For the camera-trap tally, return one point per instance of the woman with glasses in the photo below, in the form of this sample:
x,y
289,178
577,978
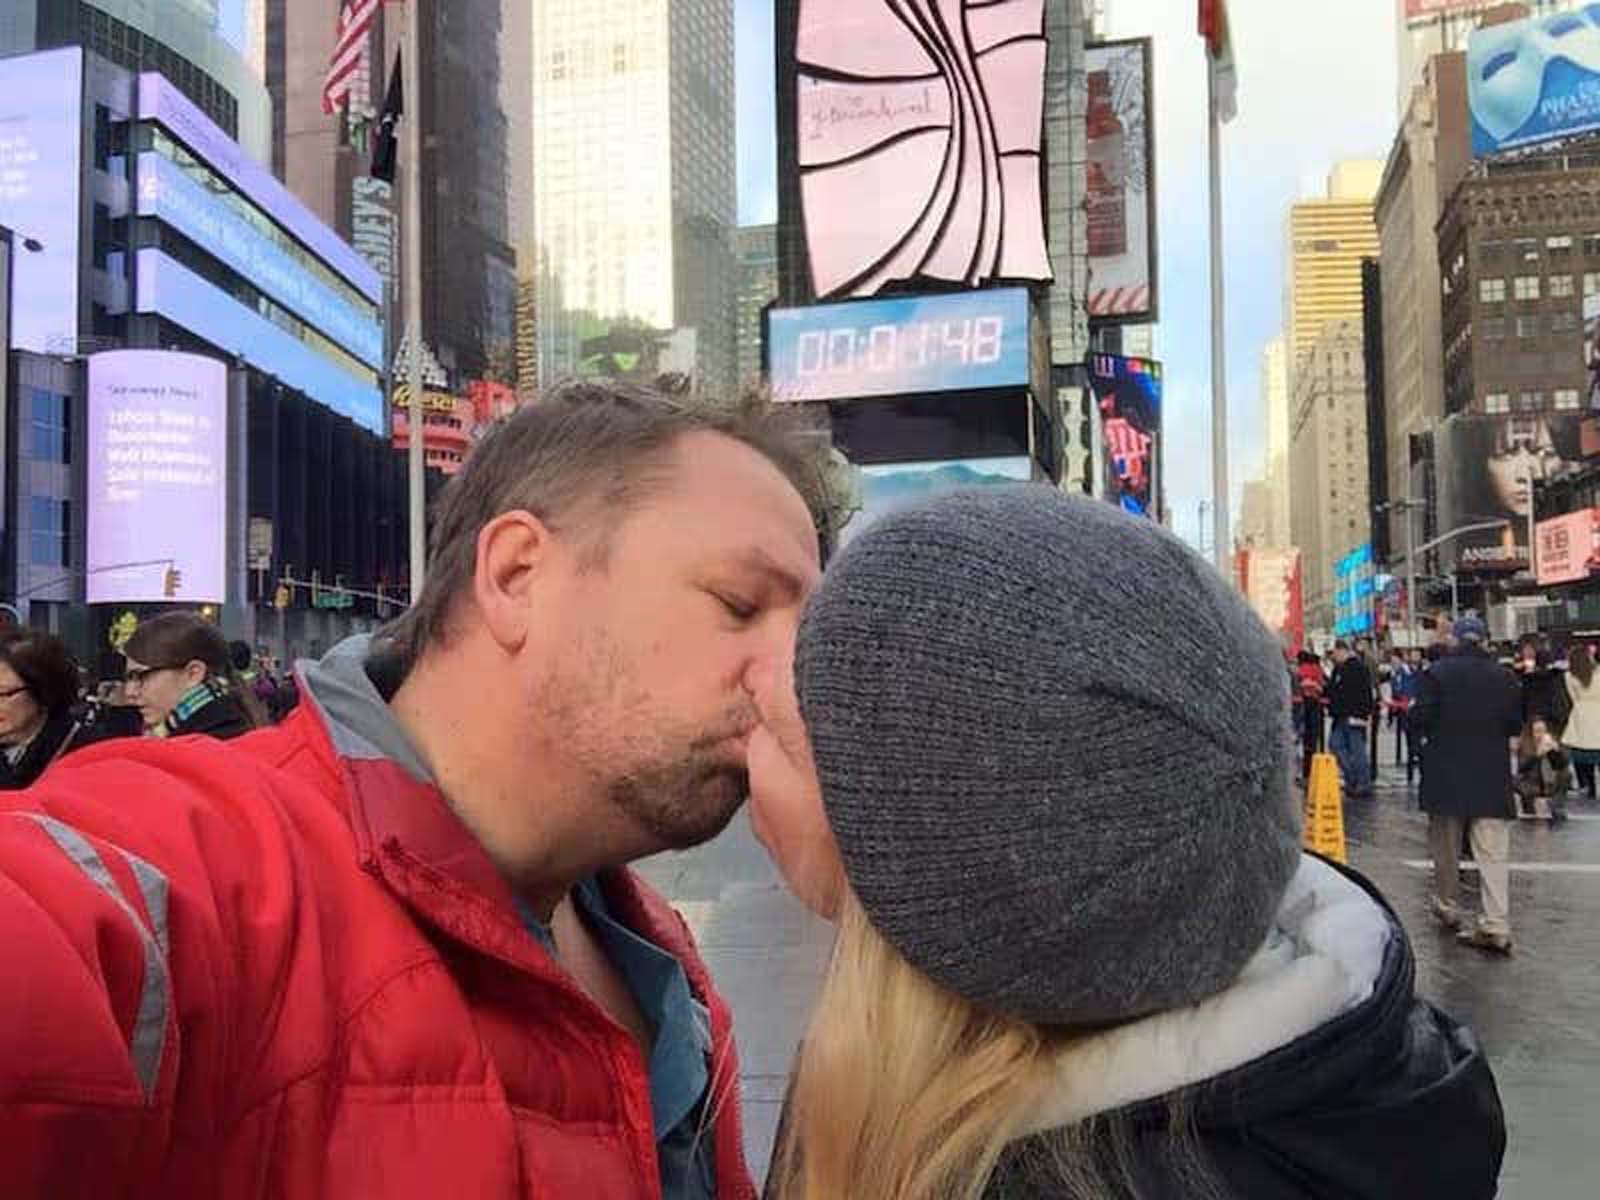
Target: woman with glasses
x,y
181,675
38,690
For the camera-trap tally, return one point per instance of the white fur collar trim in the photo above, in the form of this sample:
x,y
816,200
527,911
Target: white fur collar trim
x,y
1321,959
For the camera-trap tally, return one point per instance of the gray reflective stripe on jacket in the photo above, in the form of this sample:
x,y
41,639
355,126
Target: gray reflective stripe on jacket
x,y
149,1038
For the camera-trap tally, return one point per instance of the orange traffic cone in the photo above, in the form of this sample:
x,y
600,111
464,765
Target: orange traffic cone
x,y
1324,829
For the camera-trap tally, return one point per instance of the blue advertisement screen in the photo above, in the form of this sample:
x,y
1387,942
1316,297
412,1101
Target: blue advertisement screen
x,y
1534,80
40,109
960,341
1127,394
177,293
166,193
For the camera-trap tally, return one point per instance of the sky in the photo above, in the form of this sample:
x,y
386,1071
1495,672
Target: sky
x,y
1311,91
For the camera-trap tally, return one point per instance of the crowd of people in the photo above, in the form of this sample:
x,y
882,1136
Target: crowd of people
x,y
393,947
180,676
1491,733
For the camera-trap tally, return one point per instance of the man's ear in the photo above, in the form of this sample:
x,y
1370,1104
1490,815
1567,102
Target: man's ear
x,y
513,550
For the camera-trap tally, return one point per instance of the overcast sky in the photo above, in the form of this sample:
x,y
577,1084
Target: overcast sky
x,y
1312,90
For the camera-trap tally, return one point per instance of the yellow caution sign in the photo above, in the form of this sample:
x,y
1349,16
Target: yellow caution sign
x,y
1324,833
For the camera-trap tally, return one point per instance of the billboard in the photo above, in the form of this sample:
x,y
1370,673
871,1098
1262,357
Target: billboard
x,y
1271,581
1355,588
886,487
1120,211
1569,547
157,477
170,195
41,119
918,131
1486,468
160,101
165,286
908,345
1127,394
1534,80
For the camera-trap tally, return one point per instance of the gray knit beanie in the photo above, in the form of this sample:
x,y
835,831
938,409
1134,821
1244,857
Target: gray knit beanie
x,y
1054,749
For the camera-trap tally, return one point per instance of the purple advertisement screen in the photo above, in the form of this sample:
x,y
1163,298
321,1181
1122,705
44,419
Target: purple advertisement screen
x,y
158,426
41,104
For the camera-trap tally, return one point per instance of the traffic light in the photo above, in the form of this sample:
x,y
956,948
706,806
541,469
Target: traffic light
x,y
172,581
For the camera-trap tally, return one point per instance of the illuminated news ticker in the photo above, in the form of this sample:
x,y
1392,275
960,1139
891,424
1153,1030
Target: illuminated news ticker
x,y
959,341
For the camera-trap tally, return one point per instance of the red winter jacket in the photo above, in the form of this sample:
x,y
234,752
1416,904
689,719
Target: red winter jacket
x,y
264,968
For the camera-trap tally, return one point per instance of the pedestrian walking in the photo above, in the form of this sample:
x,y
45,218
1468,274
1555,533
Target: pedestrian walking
x,y
1313,722
180,674
38,702
1543,773
1405,678
1350,705
1581,737
1469,707
1081,953
391,947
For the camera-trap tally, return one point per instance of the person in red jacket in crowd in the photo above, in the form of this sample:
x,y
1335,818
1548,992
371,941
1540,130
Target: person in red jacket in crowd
x,y
391,947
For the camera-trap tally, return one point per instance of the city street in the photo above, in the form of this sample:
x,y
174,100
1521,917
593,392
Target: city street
x,y
1534,1013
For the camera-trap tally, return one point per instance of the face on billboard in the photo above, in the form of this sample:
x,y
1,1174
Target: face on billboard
x,y
1120,212
886,487
41,102
1127,393
919,137
1488,468
1533,80
157,476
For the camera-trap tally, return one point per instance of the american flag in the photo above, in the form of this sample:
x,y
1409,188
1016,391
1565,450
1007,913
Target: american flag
x,y
349,49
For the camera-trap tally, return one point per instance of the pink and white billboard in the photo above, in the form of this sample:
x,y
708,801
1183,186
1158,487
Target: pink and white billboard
x,y
157,471
919,126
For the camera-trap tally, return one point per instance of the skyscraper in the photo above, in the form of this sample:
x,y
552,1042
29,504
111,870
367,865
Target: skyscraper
x,y
468,263
1328,238
634,198
1275,405
757,252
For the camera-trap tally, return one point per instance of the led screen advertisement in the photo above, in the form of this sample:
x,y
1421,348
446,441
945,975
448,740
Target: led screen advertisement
x,y
886,487
1486,469
918,128
157,477
41,107
1120,215
1534,80
959,341
1127,395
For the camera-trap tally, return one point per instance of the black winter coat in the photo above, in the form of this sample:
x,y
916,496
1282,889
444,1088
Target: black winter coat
x,y
1350,691
222,718
1392,1100
1468,707
61,733
1544,695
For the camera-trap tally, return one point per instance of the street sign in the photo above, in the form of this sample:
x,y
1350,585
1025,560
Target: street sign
x,y
333,598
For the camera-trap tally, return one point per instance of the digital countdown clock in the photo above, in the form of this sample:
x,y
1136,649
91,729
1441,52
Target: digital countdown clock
x,y
904,345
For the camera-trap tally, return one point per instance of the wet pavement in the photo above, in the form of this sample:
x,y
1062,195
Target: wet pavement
x,y
1538,1014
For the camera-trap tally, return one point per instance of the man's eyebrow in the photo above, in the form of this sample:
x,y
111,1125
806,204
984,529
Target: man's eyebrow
x,y
778,576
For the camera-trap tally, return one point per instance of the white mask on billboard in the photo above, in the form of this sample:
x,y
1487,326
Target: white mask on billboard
x,y
1506,65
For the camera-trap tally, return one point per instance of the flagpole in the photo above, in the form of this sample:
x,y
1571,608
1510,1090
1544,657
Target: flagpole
x,y
417,476
1219,371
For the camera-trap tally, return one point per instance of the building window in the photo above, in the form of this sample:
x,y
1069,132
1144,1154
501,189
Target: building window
x,y
1497,402
1491,291
1563,322
1525,287
1566,398
1530,401
1559,247
1527,249
51,430
1591,245
619,57
1494,328
558,64
1560,285
51,529
1529,327
1591,283
1494,252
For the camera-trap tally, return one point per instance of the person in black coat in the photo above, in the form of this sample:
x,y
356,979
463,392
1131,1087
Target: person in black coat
x,y
38,691
1470,710
1351,695
1544,695
181,675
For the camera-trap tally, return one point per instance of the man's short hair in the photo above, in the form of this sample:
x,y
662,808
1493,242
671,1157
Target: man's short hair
x,y
1341,644
580,459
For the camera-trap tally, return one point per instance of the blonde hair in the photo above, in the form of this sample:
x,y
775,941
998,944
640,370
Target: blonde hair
x,y
903,1091
906,1091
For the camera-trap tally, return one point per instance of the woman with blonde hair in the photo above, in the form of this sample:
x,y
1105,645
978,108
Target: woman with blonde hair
x,y
1581,737
1035,761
